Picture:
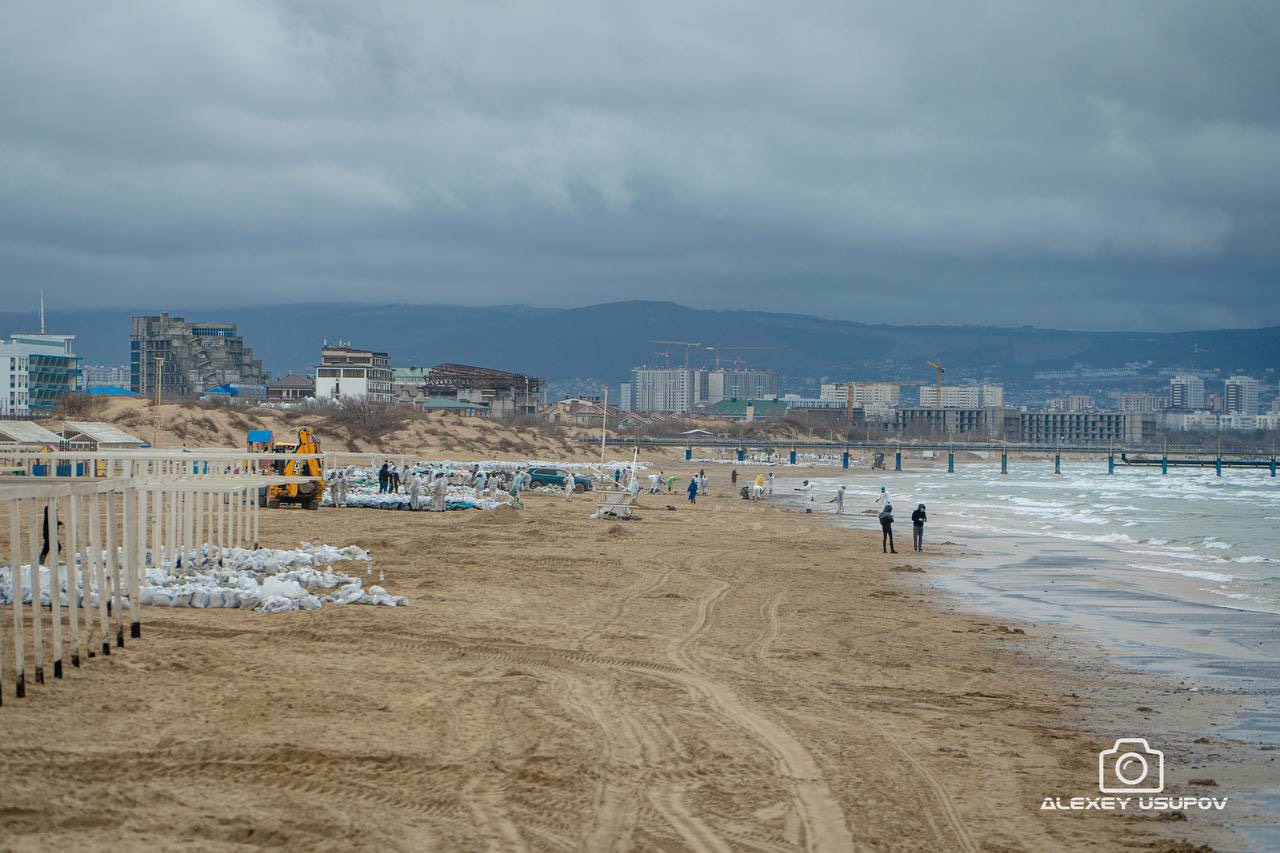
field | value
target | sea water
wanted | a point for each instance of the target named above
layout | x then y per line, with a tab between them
1197	535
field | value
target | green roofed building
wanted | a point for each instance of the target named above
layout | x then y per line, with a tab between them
749	410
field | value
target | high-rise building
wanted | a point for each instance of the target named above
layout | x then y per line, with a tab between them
97	375
346	371
1241	395
871	396
36	371
1186	392
668	389
963	396
196	357
726	384
1140	402
626	401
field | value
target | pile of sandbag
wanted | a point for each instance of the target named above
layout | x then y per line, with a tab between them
267	580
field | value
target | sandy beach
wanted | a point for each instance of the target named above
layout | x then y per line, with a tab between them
729	676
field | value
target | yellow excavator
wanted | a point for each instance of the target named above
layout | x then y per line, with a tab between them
308	494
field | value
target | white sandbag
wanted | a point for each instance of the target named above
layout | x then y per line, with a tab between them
309	602
276	587
277	604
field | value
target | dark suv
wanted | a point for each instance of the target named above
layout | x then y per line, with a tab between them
556	477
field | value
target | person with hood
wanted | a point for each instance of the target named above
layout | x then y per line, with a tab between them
693	489
918	518
394	485
704	483
480	480
415	491
340	489
838	500
439	489
633	488
384	477
570	484
671	483
886	530
733	477
653	483
769	483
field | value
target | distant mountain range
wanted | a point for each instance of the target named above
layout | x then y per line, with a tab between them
606	341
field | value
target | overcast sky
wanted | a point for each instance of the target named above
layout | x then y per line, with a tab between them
1093	165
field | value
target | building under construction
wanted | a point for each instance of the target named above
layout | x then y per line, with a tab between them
505	394
188	358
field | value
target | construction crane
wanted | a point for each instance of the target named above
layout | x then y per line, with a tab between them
666	357
937	372
737	361
688	345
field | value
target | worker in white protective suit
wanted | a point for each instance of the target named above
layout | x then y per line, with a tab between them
439	489
415	491
768	483
569	485
340	490
838	500
634	486
481	479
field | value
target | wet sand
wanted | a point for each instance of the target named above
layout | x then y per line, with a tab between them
730	676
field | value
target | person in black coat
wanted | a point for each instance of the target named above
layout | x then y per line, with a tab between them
886	529
918	518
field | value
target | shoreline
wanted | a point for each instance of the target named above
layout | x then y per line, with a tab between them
1184	664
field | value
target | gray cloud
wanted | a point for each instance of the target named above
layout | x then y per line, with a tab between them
1089	164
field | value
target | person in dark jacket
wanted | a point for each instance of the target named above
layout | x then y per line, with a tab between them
693	489
886	530
44	551
384	477
918	518
733	477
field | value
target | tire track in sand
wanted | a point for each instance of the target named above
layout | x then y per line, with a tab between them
623	604
820	813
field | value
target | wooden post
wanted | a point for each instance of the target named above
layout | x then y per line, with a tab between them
55	588
189	525
87	559
220	534
15	560
171	529
37	628
73	597
99	571
113	567
139	565
157	508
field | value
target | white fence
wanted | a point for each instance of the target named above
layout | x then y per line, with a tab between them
104	517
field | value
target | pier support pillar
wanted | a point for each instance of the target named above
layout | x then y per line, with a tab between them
844	459
792	457
742	454
1273	466
1217	465
897	461
951	461
1111	463
1004	462
1164	464
688	453
1057	463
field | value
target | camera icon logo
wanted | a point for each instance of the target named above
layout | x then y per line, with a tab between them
1131	766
